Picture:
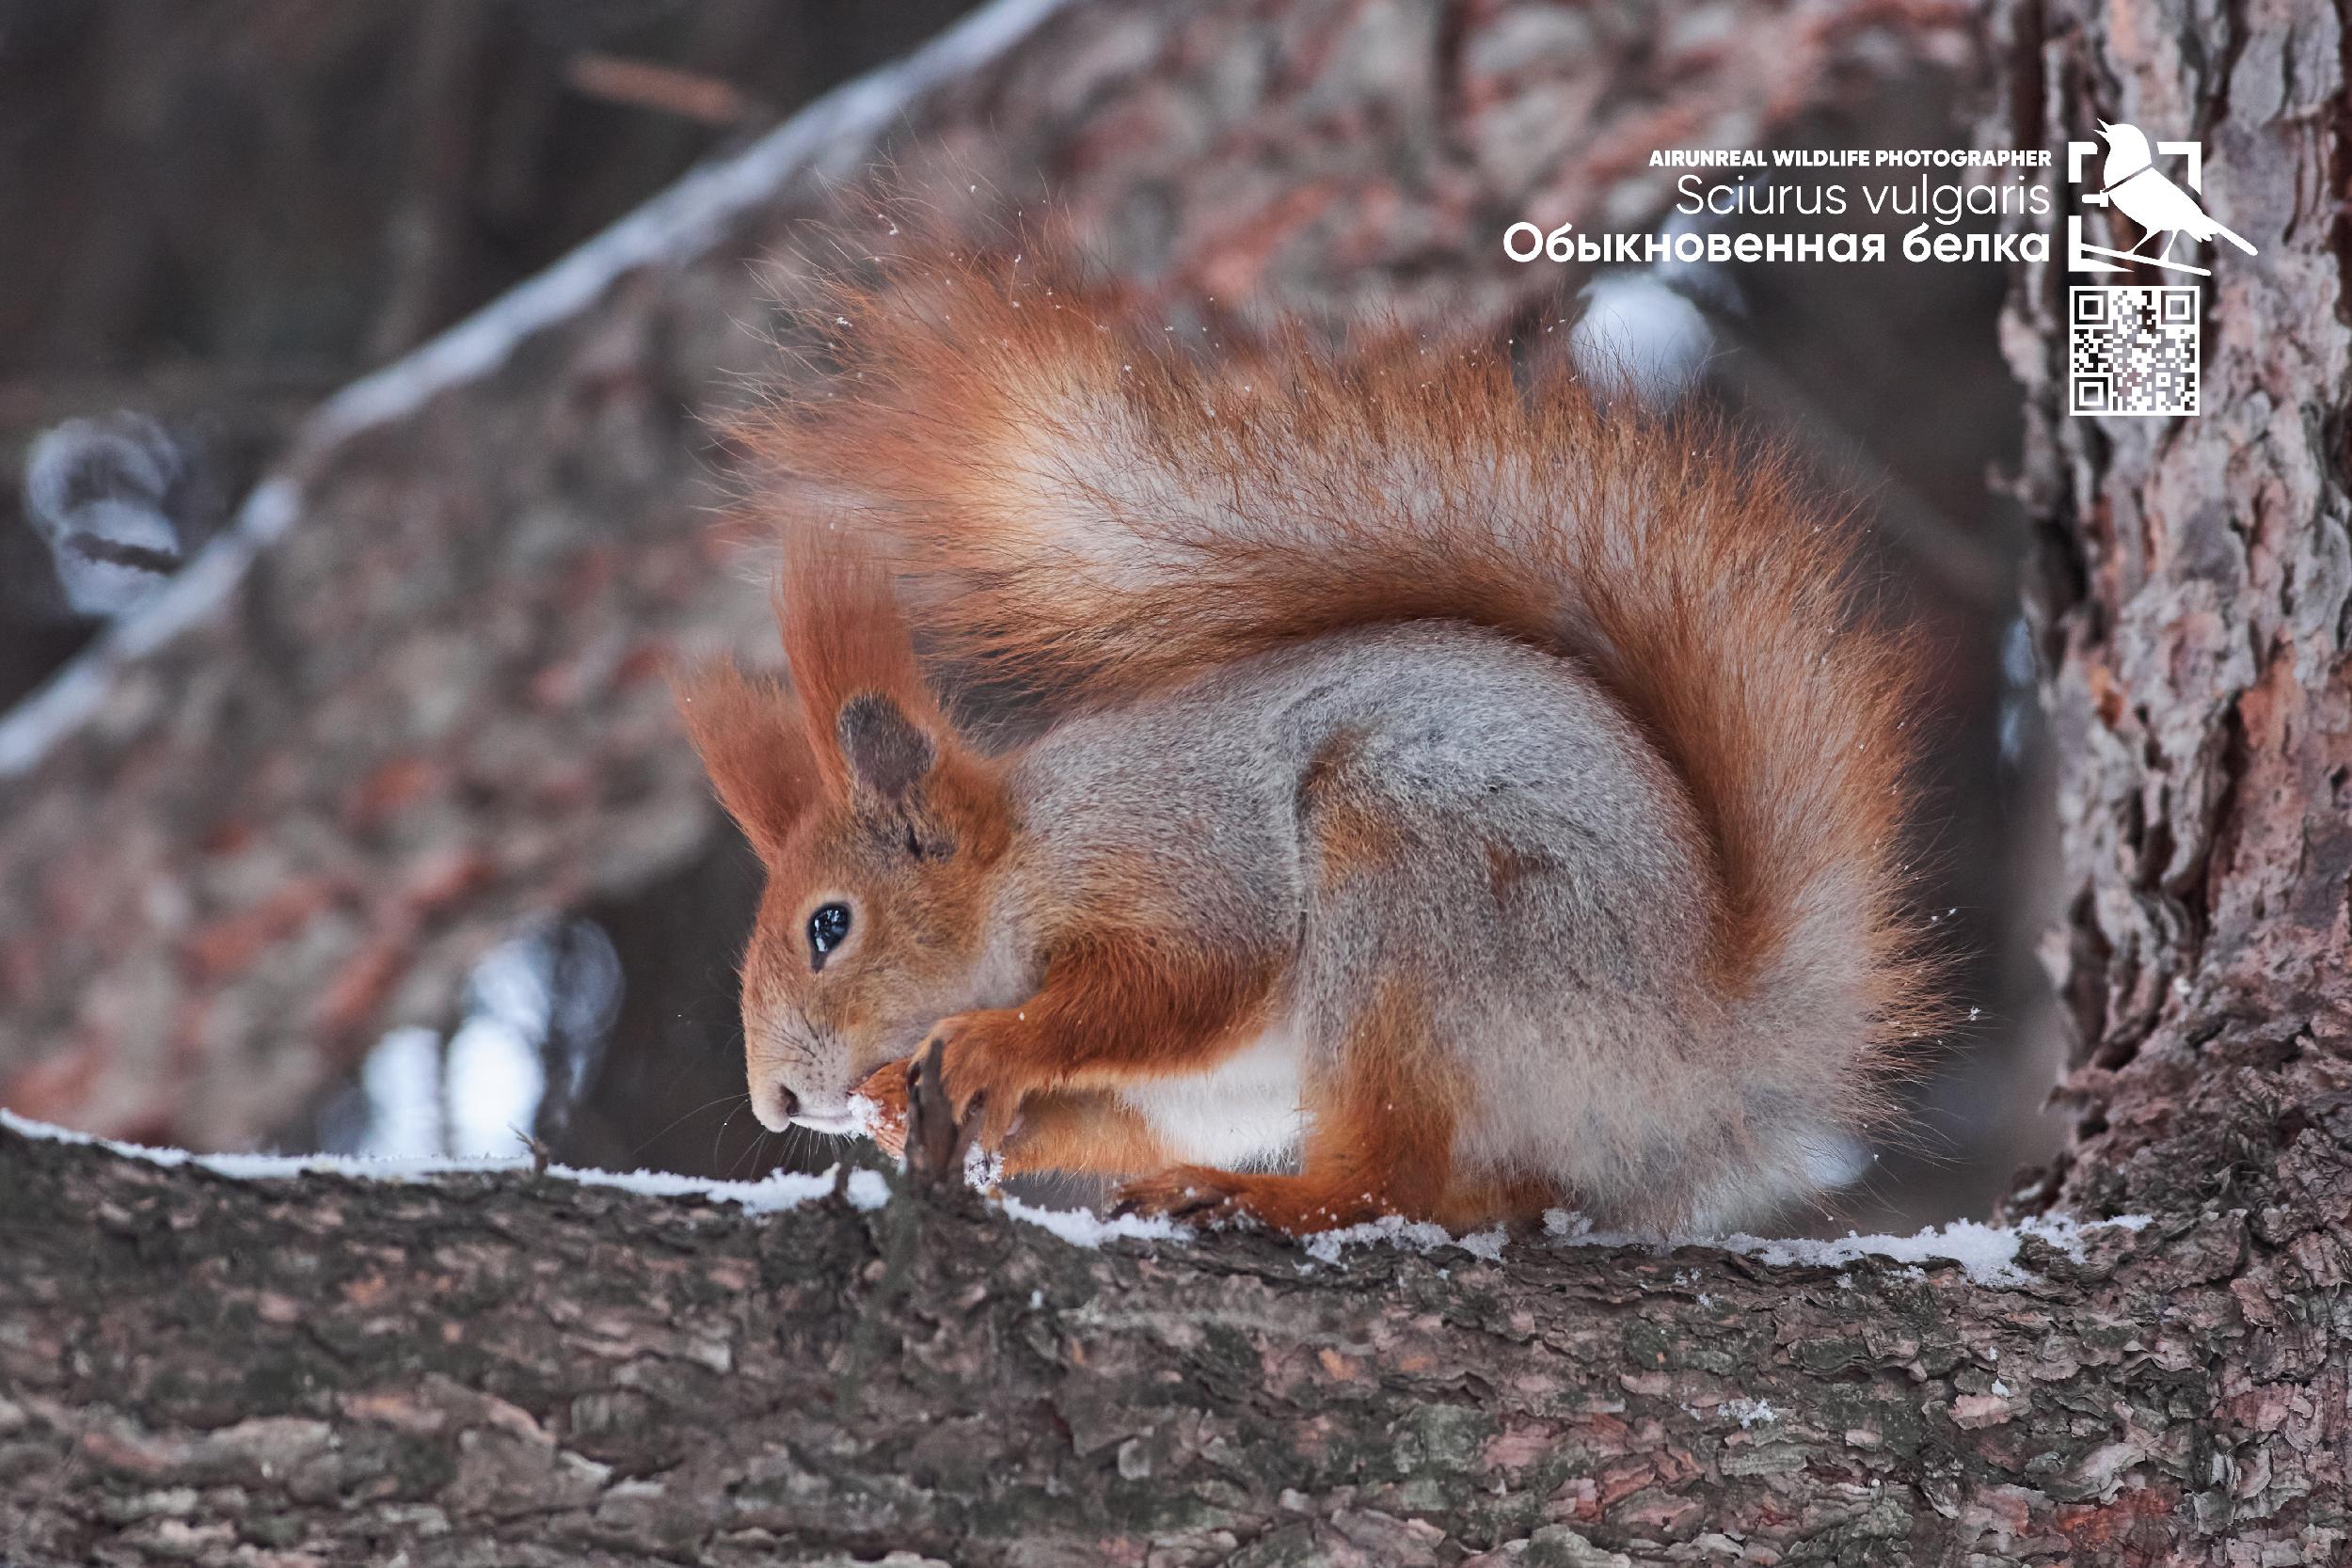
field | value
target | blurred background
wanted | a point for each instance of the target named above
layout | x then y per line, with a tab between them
217	213
341	807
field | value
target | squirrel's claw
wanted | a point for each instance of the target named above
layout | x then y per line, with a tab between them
1188	1195
936	1136
981	1083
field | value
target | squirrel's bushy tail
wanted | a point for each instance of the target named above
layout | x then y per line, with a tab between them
1072	500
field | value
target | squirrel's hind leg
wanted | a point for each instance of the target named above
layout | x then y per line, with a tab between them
1379	1142
1091	1132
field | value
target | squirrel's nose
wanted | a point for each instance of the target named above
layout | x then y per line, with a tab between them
774	1105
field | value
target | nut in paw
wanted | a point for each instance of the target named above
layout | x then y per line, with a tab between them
880	1105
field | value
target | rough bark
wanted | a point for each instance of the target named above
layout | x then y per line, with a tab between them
414	697
2195	603
516	1371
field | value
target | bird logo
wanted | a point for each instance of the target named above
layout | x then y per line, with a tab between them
2136	349
2130	183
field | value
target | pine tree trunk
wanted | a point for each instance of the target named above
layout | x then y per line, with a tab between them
2194	581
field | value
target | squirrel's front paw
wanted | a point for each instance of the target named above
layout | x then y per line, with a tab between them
981	1076
881	1106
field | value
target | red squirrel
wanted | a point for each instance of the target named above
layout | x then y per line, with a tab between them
1452	798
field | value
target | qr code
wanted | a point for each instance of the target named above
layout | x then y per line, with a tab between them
2133	350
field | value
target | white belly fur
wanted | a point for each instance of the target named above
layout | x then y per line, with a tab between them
1244	1113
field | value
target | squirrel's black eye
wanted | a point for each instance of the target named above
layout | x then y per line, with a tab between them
827	929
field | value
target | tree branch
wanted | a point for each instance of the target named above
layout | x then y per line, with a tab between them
518	1369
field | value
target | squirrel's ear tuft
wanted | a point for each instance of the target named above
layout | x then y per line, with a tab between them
753	744
886	752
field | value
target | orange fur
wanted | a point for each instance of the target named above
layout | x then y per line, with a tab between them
1068	505
1085	1131
1089	1134
1379	1141
844	634
985	412
1351	835
1116	1007
918	860
754	746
